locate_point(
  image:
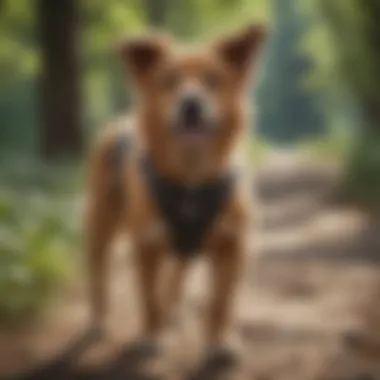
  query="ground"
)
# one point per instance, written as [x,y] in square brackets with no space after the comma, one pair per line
[312,271]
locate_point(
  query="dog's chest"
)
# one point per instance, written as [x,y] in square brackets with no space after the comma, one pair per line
[188,214]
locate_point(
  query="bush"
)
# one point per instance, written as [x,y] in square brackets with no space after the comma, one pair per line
[334,146]
[38,241]
[363,173]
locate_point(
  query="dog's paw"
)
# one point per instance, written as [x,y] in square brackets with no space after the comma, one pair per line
[148,346]
[175,319]
[224,353]
[153,345]
[97,331]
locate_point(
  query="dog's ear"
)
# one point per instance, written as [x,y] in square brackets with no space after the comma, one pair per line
[141,54]
[239,51]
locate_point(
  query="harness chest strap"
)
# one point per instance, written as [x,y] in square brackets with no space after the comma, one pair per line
[188,213]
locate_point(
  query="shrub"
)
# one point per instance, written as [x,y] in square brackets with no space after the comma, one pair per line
[38,242]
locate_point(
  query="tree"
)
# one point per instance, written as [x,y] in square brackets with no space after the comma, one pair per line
[61,132]
[354,32]
[288,112]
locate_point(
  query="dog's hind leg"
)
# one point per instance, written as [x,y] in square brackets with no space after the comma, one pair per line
[102,219]
[101,226]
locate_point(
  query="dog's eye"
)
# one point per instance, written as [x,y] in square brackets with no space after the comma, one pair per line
[169,81]
[212,80]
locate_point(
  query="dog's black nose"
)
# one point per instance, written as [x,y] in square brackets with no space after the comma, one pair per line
[192,111]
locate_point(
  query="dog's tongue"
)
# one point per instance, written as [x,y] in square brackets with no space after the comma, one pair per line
[193,136]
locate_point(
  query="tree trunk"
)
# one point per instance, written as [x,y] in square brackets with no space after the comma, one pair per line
[61,134]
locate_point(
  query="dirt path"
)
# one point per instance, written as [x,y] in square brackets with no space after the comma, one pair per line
[312,268]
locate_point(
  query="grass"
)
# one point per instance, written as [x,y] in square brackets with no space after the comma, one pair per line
[258,150]
[38,235]
[334,146]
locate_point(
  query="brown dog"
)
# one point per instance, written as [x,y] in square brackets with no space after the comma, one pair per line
[175,188]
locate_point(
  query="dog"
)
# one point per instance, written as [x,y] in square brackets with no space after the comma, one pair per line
[168,176]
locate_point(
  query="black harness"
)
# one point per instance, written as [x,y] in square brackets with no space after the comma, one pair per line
[188,213]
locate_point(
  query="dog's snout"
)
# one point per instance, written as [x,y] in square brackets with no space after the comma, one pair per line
[191,110]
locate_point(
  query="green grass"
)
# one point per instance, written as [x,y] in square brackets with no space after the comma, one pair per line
[334,146]
[39,239]
[258,150]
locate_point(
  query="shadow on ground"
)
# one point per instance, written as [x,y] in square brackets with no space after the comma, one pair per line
[129,363]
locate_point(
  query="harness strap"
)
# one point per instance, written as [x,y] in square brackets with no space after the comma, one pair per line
[189,213]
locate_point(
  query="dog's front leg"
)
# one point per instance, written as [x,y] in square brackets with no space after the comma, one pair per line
[150,256]
[226,259]
[173,286]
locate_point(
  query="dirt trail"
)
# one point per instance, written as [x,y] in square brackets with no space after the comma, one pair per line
[312,268]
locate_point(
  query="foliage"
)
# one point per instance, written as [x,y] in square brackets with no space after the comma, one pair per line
[362,182]
[288,111]
[198,19]
[18,56]
[38,238]
[104,24]
[258,150]
[357,61]
[351,72]
[335,73]
[333,146]
[18,69]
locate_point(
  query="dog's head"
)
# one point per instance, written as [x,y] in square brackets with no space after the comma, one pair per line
[193,98]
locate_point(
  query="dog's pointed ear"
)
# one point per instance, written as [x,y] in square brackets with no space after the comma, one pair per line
[141,54]
[239,51]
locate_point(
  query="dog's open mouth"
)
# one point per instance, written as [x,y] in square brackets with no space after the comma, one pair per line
[194,134]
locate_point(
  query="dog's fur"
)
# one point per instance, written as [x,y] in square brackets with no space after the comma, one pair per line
[148,59]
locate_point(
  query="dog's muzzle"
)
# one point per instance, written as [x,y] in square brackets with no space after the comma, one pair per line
[192,113]
[193,119]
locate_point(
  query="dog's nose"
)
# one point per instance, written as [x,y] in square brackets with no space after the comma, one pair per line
[191,111]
